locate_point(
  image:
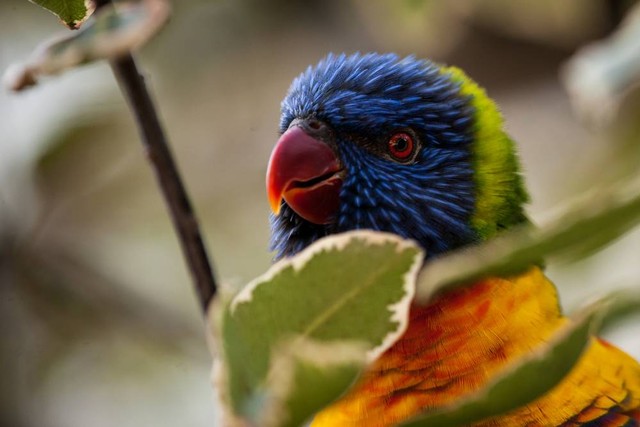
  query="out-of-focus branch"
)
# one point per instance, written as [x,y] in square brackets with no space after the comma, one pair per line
[155,142]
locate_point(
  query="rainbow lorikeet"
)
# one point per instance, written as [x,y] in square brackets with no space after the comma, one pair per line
[406,146]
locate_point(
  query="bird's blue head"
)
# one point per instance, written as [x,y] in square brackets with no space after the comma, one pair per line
[383,143]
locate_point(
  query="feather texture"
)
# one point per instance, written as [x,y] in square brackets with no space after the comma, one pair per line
[461,187]
[455,345]
[464,184]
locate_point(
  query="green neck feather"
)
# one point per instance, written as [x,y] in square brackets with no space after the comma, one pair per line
[500,192]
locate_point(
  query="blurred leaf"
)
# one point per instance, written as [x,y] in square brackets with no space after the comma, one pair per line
[304,377]
[625,304]
[114,31]
[584,226]
[601,74]
[351,289]
[71,12]
[73,301]
[541,370]
[106,164]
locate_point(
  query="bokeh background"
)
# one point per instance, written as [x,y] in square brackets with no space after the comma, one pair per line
[98,322]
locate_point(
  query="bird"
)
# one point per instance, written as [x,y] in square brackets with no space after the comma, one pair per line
[415,148]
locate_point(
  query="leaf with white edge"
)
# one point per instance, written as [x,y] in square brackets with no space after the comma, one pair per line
[114,31]
[541,370]
[71,12]
[587,224]
[600,75]
[355,287]
[304,377]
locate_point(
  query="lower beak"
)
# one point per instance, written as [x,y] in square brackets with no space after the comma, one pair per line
[306,173]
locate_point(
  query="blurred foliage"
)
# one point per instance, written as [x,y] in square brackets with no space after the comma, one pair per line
[602,73]
[93,292]
[576,231]
[283,361]
[114,30]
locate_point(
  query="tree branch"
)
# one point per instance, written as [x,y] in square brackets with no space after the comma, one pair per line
[155,142]
[134,89]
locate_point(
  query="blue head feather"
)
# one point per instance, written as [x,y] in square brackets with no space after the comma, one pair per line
[365,99]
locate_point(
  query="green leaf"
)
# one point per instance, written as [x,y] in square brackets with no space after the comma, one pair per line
[71,12]
[351,289]
[304,376]
[626,303]
[584,226]
[541,370]
[114,31]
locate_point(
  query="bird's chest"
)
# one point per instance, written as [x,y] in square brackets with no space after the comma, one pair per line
[452,347]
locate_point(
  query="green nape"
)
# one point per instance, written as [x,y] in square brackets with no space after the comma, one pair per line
[500,192]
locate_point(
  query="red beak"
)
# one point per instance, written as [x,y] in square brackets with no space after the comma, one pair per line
[304,172]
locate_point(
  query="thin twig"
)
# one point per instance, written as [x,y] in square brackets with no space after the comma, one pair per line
[134,89]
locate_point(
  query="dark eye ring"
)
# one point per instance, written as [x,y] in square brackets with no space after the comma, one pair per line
[401,146]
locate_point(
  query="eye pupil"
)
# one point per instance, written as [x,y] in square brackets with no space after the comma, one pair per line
[401,146]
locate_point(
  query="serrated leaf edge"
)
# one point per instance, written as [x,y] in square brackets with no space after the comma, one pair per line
[299,261]
[399,310]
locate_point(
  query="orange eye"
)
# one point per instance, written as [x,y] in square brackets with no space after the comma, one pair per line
[400,146]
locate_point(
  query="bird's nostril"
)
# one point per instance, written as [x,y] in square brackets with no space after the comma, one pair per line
[314,124]
[314,127]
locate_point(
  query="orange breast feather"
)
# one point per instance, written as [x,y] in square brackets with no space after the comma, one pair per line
[457,343]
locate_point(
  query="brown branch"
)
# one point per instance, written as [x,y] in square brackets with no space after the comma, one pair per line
[134,89]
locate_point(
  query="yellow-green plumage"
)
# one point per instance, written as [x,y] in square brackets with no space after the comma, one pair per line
[500,192]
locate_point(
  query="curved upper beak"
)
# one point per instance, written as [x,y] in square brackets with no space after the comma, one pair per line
[305,172]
